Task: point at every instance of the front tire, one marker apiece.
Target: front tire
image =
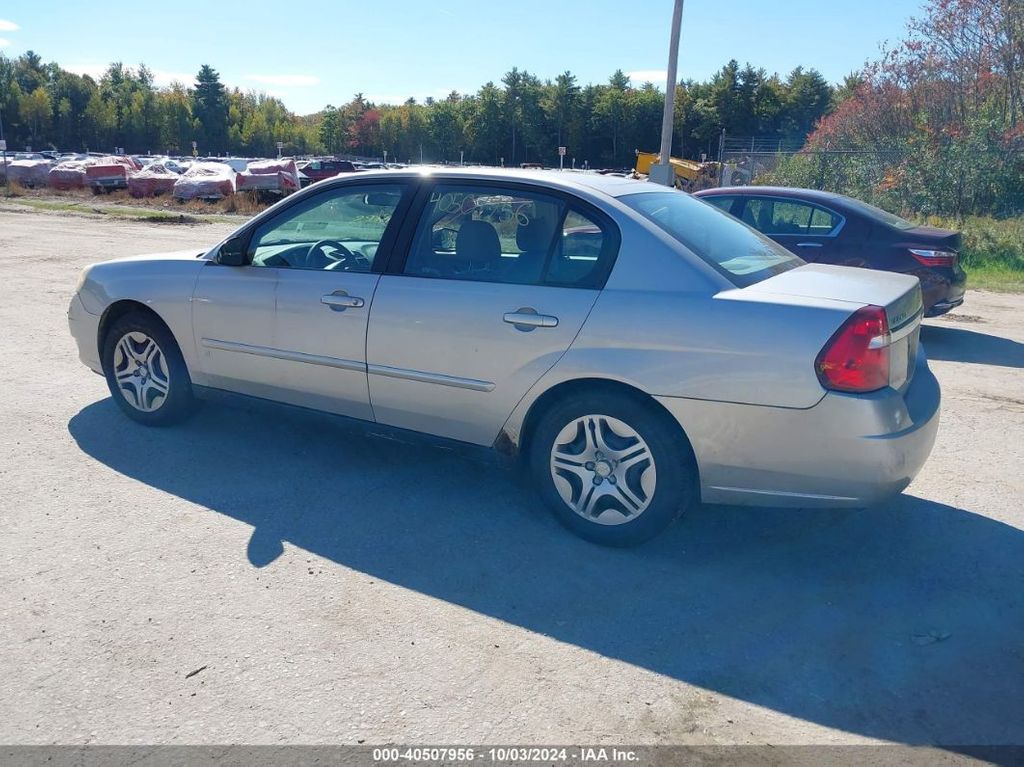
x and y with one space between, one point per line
612 468
145 371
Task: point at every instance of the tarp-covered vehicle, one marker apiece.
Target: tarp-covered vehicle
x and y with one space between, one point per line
110 173
281 176
206 181
68 174
30 173
155 179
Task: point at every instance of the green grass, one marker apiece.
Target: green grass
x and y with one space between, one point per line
995 277
993 251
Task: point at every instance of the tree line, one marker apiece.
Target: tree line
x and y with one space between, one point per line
519 119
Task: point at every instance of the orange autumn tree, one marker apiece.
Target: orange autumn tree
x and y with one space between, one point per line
936 125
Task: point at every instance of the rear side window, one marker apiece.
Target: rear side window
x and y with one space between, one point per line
738 252
823 222
890 219
504 234
580 256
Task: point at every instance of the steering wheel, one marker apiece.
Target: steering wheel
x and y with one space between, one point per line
317 258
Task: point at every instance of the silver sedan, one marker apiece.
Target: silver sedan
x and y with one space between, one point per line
637 349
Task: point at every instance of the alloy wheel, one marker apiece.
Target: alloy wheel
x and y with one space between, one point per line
603 469
141 371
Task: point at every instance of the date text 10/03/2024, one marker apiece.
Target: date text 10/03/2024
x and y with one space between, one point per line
504 754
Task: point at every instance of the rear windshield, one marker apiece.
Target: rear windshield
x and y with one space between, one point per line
730 246
877 213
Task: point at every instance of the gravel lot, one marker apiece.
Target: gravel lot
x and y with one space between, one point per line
262 578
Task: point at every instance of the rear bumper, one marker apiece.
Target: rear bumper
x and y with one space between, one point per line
942 307
942 289
85 330
848 450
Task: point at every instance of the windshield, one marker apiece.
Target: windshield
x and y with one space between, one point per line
877 213
730 246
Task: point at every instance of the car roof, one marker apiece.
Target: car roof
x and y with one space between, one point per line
811 195
579 181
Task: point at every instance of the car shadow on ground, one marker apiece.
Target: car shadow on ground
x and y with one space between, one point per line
904 622
944 342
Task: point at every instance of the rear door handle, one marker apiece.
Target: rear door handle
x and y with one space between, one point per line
527 319
339 301
808 244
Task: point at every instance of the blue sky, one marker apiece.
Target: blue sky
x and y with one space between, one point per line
321 51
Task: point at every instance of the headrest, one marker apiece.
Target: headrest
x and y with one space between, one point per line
477 241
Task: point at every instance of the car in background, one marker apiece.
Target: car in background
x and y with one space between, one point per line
828 228
638 350
237 164
320 169
166 163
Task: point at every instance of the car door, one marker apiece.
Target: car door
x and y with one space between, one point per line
801 227
233 309
325 254
496 283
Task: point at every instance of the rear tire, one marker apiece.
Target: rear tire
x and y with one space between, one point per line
145 371
612 468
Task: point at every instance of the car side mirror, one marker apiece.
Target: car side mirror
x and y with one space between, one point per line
232 252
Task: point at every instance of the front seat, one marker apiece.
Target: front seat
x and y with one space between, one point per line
477 246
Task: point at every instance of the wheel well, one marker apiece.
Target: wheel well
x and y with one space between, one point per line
568 389
116 311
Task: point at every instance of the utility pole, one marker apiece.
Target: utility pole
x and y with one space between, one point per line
662 173
7 181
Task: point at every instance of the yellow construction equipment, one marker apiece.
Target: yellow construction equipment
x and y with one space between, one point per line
690 175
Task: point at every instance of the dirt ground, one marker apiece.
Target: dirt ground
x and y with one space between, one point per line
255 578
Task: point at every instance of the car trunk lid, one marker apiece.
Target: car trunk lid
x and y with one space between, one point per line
931 237
898 294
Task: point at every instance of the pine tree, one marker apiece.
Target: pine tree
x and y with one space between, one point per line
210 109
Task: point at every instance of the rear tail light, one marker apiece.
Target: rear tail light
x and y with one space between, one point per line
856 357
934 257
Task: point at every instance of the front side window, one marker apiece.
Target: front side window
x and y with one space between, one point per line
720 202
504 234
339 230
738 252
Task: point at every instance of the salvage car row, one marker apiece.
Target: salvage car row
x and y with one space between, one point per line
184 180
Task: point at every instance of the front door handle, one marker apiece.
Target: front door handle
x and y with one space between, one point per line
808 244
527 319
339 301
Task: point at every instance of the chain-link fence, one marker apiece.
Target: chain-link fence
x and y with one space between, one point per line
744 160
935 178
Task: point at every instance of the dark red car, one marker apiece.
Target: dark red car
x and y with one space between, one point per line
318 170
834 229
